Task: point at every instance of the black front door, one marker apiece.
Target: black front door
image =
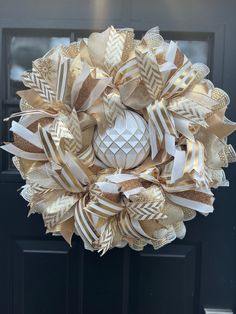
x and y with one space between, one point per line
41 273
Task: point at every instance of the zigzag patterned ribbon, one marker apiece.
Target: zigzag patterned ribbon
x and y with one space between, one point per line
55 206
58 210
112 106
149 70
114 50
59 132
162 127
189 110
146 210
73 125
107 236
35 81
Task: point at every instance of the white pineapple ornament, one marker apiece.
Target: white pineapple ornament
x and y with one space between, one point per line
126 145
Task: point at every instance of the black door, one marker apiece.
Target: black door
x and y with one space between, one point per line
42 274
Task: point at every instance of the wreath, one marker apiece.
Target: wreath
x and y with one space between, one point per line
120 140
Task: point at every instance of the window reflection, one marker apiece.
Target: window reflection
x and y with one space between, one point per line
195 50
23 50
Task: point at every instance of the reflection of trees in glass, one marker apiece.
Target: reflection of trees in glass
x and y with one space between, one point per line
23 50
196 51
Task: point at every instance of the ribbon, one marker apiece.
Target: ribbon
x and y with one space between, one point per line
73 90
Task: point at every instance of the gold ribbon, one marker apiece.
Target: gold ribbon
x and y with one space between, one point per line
88 84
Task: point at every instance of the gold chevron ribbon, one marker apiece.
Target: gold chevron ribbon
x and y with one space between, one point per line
87 85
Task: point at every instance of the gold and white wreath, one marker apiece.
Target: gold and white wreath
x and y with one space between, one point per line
119 140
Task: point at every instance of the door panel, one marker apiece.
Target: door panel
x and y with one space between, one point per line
164 280
43 276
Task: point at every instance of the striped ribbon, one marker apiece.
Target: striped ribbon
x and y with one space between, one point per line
73 173
67 180
180 81
200 200
62 81
84 225
161 118
52 152
102 206
162 123
87 156
194 157
127 72
131 228
126 227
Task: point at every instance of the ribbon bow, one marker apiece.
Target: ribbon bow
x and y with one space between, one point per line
74 88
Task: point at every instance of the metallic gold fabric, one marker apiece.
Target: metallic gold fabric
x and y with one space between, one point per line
88 84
